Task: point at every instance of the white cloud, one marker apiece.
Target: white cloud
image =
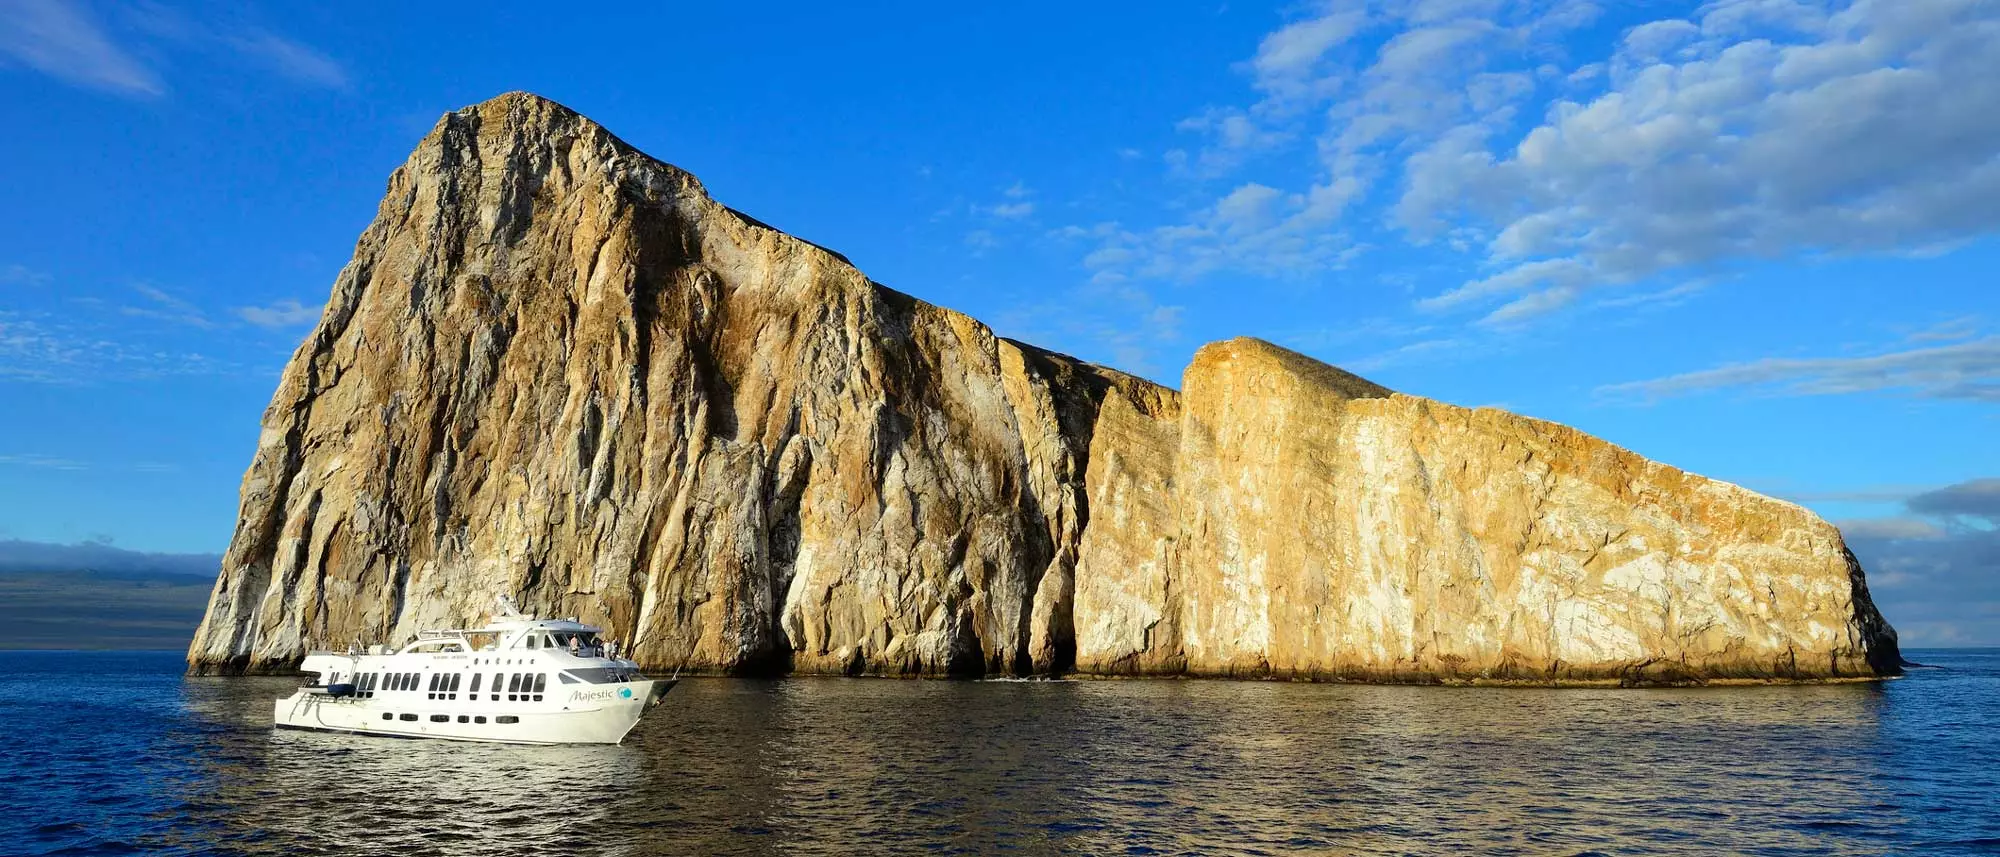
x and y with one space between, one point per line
1286 59
22 275
285 313
1962 327
34 350
164 306
1963 371
289 58
1254 228
1874 128
63 40
1012 210
1675 149
42 462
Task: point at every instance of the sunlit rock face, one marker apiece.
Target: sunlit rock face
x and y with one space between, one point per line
1289 519
557 370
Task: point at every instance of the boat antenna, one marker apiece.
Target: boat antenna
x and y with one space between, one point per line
506 610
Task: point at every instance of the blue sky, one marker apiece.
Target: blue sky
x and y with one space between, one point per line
1751 238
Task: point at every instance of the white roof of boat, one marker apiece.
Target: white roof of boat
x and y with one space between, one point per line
501 626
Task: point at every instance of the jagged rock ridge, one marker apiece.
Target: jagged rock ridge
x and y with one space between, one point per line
556 369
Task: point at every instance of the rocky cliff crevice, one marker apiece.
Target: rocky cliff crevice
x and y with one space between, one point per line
556 369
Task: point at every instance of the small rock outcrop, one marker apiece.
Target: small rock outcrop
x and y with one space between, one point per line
556 369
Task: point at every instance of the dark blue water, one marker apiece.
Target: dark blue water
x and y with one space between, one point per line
115 753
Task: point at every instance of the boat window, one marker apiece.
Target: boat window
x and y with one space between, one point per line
464 719
440 718
475 682
479 718
495 688
409 717
566 678
601 675
387 716
456 680
506 718
534 640
541 685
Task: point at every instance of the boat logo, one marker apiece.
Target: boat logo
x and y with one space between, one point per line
625 692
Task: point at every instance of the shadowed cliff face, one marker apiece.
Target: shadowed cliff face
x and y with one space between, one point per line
557 370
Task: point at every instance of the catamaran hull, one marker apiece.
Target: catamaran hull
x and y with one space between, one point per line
599 714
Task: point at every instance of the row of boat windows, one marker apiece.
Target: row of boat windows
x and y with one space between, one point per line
521 687
446 718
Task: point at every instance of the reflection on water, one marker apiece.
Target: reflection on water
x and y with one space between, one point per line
120 755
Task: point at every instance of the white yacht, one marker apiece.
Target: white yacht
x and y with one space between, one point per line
518 680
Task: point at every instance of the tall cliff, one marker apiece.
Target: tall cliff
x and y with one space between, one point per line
557 370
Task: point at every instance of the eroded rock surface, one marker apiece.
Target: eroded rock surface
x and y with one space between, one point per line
557 370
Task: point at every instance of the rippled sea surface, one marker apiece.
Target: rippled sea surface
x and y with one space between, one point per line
114 753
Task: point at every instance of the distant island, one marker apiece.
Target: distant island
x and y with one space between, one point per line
95 596
556 369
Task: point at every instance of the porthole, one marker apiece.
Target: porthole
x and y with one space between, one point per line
506 718
440 718
409 717
387 716
464 719
479 718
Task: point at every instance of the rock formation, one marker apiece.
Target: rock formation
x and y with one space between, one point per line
556 369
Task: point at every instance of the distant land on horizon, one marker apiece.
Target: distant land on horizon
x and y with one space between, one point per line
96 596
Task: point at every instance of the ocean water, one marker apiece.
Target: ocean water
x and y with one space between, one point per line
116 753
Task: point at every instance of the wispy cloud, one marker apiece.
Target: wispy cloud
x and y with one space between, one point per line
1962 327
65 40
37 350
289 58
285 313
42 462
163 306
1119 324
1967 371
1015 203
22 275
1254 229
1012 210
